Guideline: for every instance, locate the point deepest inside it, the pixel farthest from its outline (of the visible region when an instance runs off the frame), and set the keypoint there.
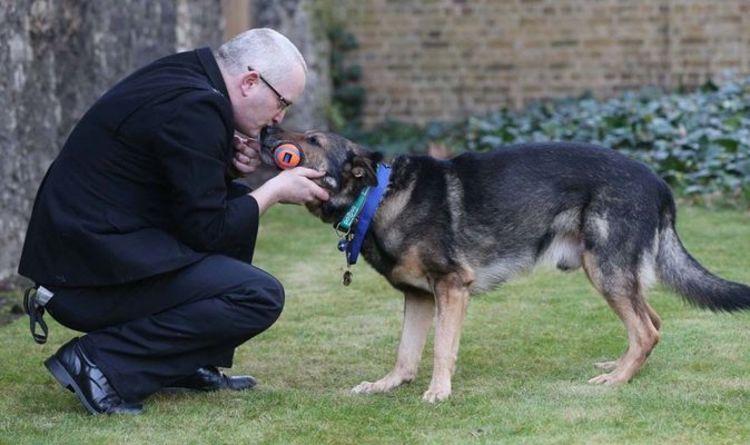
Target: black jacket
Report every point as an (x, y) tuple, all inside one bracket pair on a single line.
[(141, 186)]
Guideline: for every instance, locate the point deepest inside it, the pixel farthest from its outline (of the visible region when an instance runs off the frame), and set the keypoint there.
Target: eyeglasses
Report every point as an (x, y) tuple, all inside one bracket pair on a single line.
[(283, 103)]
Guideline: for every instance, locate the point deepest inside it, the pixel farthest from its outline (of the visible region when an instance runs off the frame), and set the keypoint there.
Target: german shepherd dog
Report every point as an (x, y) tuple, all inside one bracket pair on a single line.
[(448, 229)]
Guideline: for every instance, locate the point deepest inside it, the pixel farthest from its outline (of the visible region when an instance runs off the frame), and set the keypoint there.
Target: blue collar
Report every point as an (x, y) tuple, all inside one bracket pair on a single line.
[(374, 196)]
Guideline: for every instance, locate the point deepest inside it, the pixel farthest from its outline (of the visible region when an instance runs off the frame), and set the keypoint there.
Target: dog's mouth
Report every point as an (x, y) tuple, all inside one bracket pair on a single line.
[(267, 144)]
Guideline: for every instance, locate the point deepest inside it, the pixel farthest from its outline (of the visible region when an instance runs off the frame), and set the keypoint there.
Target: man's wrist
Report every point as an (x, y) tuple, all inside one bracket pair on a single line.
[(265, 196)]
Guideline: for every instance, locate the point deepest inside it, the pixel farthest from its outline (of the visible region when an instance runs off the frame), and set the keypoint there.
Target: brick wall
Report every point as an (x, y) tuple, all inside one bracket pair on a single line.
[(445, 59)]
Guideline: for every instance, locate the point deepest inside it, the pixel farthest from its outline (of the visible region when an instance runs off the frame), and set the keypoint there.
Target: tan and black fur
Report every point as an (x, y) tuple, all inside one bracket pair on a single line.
[(448, 229)]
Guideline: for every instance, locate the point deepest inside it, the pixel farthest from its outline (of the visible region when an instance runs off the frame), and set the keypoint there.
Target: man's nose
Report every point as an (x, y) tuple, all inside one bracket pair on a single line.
[(279, 117)]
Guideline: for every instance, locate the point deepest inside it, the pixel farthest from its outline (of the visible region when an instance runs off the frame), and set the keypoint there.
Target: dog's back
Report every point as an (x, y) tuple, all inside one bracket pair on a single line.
[(502, 212)]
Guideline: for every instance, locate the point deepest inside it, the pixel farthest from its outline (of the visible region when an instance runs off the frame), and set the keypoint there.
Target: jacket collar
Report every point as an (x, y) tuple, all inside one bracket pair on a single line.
[(206, 58)]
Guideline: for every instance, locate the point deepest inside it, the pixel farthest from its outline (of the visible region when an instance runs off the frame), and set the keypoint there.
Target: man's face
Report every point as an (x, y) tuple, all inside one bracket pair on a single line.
[(258, 105)]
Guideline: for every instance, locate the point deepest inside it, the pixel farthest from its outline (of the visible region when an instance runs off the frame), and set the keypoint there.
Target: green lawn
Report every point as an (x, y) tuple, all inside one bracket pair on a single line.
[(526, 354)]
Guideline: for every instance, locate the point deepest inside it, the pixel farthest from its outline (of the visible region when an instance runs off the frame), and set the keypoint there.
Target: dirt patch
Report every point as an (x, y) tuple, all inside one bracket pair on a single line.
[(10, 308)]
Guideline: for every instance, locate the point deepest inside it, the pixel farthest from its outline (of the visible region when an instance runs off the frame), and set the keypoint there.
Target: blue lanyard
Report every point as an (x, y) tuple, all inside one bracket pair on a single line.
[(374, 196)]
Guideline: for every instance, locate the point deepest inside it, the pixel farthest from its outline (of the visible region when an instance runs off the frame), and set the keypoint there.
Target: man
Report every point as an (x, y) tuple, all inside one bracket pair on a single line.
[(142, 240)]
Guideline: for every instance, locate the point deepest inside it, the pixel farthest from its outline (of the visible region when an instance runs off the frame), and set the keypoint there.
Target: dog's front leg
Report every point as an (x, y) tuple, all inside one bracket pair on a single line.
[(452, 298), (419, 308)]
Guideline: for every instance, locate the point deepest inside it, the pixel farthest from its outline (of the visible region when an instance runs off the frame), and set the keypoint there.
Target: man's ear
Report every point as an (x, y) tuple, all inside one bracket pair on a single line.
[(363, 168), (249, 80)]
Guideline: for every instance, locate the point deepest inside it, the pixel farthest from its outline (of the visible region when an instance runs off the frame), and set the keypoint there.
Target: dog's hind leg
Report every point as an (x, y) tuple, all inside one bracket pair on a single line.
[(419, 309), (610, 366), (452, 299), (655, 319), (625, 294)]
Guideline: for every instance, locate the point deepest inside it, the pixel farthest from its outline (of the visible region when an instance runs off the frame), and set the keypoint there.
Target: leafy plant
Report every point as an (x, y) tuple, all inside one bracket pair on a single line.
[(348, 96)]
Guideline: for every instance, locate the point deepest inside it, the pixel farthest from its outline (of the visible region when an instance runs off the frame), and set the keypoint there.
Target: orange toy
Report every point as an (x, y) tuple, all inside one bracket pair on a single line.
[(287, 155)]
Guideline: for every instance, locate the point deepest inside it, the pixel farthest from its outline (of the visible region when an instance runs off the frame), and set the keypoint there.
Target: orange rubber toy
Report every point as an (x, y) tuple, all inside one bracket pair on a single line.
[(287, 155)]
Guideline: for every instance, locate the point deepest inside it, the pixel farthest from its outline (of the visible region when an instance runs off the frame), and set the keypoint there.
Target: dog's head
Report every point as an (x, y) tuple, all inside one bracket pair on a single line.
[(348, 167)]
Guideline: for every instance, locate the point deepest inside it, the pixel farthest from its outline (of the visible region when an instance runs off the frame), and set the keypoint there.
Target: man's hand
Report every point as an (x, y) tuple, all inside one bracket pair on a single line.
[(292, 186), (246, 155)]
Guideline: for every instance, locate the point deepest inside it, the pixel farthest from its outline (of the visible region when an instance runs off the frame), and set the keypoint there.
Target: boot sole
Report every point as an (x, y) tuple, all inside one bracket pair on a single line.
[(64, 378), (185, 389)]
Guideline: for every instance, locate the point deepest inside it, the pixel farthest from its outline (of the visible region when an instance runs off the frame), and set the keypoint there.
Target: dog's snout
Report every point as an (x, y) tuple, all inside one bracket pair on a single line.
[(267, 138), (270, 131)]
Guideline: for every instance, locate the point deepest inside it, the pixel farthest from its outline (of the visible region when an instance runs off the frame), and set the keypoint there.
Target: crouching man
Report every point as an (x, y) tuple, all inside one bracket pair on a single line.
[(140, 239)]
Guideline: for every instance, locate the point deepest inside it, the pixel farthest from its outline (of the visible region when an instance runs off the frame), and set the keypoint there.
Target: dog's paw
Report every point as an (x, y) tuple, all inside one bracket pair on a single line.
[(370, 388), (387, 383), (433, 395), (611, 379), (606, 366), (363, 388)]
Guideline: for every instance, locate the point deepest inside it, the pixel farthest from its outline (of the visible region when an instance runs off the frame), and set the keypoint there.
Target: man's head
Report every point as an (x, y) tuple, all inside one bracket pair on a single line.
[(264, 72)]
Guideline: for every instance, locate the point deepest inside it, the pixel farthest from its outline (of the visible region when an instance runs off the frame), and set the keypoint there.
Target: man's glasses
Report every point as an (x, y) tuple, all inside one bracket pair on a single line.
[(284, 104)]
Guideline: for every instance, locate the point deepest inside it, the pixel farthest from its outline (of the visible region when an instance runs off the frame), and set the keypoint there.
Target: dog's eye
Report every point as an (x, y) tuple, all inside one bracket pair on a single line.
[(313, 140)]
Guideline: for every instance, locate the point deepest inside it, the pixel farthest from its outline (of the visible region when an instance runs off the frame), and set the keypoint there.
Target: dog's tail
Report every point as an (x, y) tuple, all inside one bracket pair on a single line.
[(677, 269)]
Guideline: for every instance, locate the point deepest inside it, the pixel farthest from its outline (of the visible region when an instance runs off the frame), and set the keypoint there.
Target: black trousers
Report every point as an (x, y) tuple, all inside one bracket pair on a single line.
[(146, 334)]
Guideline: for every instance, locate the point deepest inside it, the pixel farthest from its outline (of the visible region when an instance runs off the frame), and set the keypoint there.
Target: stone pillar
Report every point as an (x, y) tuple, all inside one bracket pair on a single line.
[(300, 21)]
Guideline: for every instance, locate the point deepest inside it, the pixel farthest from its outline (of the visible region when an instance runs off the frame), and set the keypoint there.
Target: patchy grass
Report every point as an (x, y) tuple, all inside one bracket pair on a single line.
[(526, 353), (10, 306)]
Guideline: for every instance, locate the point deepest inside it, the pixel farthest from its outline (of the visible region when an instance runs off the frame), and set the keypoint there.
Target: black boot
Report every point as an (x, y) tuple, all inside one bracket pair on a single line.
[(75, 371), (209, 378)]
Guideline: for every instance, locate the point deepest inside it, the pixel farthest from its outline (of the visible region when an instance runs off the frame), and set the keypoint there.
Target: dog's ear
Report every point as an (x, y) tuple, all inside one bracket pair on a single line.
[(363, 168)]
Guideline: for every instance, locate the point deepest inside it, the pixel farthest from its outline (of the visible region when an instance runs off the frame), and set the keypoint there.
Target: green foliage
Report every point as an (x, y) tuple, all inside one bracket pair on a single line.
[(348, 97), (394, 137), (699, 142)]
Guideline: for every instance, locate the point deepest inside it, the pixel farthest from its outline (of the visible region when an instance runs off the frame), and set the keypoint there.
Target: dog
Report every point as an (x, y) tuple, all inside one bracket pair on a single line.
[(448, 229)]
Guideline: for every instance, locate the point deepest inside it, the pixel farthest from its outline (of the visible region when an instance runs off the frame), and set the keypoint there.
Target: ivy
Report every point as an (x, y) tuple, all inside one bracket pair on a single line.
[(348, 96), (699, 142)]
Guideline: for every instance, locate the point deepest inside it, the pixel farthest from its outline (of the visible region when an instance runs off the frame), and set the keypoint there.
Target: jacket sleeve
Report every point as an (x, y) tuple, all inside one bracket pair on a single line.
[(192, 145)]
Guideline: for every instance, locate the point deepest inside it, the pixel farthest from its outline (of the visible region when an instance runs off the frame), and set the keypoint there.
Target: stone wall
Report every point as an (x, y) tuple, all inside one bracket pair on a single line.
[(446, 59), (299, 21), (56, 58)]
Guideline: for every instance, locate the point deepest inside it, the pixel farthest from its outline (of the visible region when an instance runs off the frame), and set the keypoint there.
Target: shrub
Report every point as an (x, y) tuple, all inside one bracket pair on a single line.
[(698, 142)]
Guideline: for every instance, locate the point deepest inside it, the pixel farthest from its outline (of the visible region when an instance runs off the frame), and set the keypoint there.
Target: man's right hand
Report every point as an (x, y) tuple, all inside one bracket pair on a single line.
[(246, 158), (292, 186)]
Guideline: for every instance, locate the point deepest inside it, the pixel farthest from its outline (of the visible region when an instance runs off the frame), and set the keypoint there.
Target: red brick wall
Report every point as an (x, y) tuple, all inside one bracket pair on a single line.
[(446, 59)]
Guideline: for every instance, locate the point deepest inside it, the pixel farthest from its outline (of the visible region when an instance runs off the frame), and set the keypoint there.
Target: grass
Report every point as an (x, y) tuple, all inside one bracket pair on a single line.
[(526, 354)]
